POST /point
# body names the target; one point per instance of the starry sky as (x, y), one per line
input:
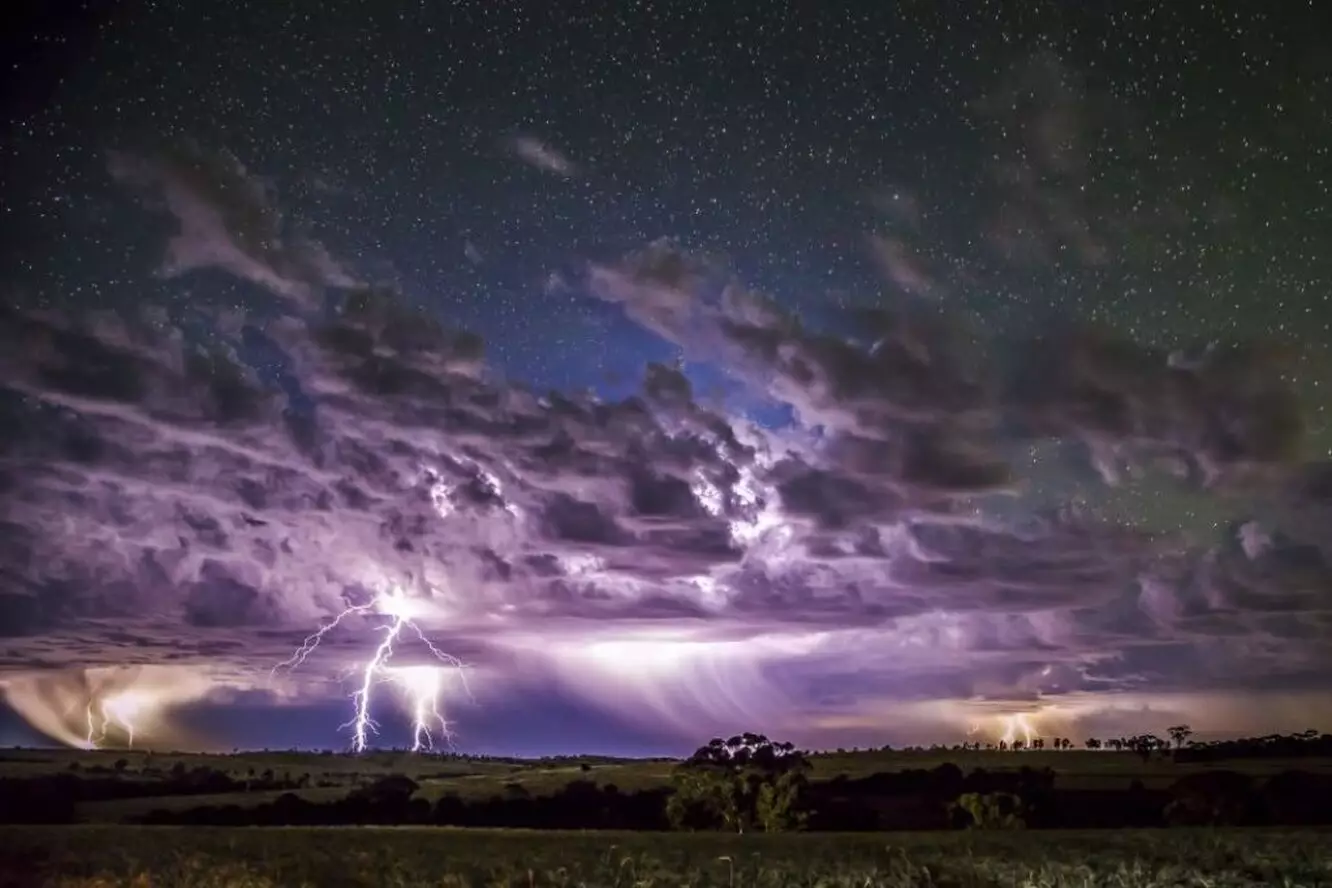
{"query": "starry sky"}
(859, 373)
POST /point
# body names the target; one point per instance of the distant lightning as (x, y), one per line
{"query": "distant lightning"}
(757, 527)
(421, 684)
(760, 519)
(1018, 727)
(117, 711)
(442, 492)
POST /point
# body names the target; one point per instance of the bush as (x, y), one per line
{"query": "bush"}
(993, 810)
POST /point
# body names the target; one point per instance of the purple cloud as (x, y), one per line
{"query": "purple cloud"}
(226, 220)
(164, 509)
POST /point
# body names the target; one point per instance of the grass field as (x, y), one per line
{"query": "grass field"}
(332, 776)
(165, 857)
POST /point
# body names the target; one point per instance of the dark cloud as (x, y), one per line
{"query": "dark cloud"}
(227, 219)
(150, 482)
(220, 598)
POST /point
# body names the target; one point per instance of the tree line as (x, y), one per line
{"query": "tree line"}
(1178, 743)
(744, 783)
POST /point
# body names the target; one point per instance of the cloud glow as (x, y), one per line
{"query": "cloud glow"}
(899, 561)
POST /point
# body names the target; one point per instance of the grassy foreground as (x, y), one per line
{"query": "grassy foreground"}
(90, 856)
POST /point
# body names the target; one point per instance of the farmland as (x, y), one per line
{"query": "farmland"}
(328, 776)
(107, 840)
(166, 857)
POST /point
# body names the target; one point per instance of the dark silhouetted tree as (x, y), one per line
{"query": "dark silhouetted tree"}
(392, 789)
(1143, 744)
(738, 784)
(1179, 734)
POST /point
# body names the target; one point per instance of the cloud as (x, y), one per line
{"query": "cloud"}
(84, 707)
(537, 153)
(941, 411)
(227, 220)
(162, 506)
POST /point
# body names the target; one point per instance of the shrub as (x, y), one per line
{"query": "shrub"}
(992, 810)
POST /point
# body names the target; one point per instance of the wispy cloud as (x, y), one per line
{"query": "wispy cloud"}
(533, 151)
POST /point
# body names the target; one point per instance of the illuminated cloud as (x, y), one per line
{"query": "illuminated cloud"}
(89, 708)
(678, 567)
(533, 151)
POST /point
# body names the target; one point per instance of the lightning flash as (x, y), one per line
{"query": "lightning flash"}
(117, 711)
(1018, 727)
(422, 685)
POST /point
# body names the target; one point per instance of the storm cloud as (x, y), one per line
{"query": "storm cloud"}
(163, 506)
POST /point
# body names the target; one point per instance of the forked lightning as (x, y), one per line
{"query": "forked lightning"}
(421, 684)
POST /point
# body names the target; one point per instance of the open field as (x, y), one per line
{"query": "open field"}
(1099, 768)
(165, 857)
(332, 776)
(32, 762)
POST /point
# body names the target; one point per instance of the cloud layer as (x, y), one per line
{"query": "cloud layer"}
(162, 505)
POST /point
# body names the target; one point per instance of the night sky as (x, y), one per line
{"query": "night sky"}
(857, 373)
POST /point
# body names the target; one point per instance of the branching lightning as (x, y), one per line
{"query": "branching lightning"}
(312, 641)
(422, 685)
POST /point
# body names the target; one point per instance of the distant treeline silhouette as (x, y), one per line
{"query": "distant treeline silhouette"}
(743, 783)
(51, 798)
(1305, 744)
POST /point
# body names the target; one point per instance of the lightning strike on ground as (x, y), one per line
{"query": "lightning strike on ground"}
(117, 711)
(1018, 727)
(422, 684)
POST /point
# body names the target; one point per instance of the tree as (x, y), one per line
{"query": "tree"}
(1092, 743)
(1179, 733)
(995, 810)
(739, 783)
(393, 789)
(1143, 744)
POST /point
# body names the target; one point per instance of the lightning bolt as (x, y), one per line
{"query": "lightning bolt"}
(361, 723)
(118, 711)
(1018, 724)
(312, 641)
(96, 726)
(421, 684)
